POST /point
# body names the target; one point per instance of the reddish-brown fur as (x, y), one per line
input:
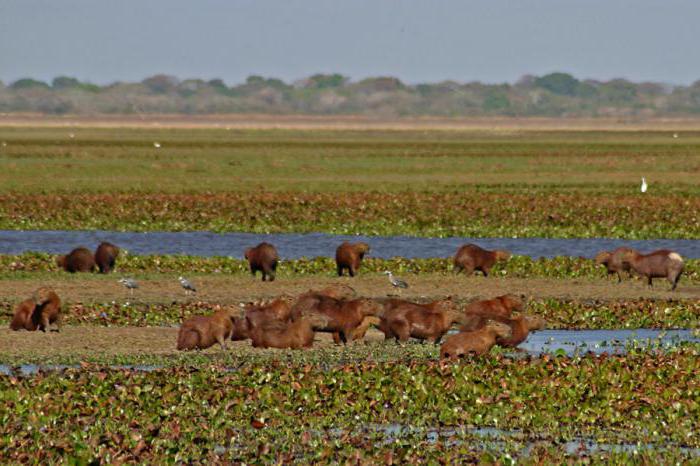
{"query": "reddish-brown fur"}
(105, 256)
(520, 326)
(614, 261)
(663, 263)
(277, 334)
(470, 258)
(475, 342)
(343, 316)
(263, 258)
(38, 312)
(78, 260)
(360, 331)
(501, 306)
(349, 257)
(425, 322)
(200, 332)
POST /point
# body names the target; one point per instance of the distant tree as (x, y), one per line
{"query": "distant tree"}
(28, 83)
(618, 91)
(558, 83)
(65, 82)
(496, 99)
(380, 84)
(161, 83)
(326, 81)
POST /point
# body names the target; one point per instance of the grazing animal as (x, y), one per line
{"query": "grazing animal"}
(349, 257)
(663, 263)
(520, 327)
(475, 342)
(293, 335)
(201, 332)
(263, 258)
(501, 306)
(421, 321)
(614, 261)
(106, 256)
(470, 258)
(38, 312)
(78, 260)
(359, 332)
(343, 316)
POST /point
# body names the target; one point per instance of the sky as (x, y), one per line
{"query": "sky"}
(415, 40)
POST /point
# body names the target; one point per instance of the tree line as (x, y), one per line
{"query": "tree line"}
(554, 94)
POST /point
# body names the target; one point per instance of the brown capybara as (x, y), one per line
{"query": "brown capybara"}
(361, 330)
(475, 342)
(470, 258)
(277, 334)
(349, 257)
(520, 326)
(663, 263)
(78, 260)
(105, 256)
(309, 301)
(343, 316)
(501, 306)
(614, 261)
(424, 322)
(201, 332)
(263, 258)
(38, 312)
(240, 329)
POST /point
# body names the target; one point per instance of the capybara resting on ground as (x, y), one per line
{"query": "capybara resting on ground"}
(476, 342)
(520, 327)
(38, 312)
(105, 256)
(470, 258)
(78, 260)
(425, 322)
(201, 332)
(277, 334)
(349, 257)
(257, 314)
(501, 306)
(263, 258)
(343, 316)
(663, 263)
(614, 261)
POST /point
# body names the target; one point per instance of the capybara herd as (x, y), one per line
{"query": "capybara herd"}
(38, 312)
(663, 263)
(82, 260)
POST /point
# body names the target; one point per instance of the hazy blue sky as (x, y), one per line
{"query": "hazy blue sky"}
(416, 40)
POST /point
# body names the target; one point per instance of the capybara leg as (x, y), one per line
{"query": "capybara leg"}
(457, 269)
(340, 271)
(351, 271)
(58, 322)
(222, 341)
(650, 284)
(336, 338)
(619, 277)
(485, 271)
(44, 323)
(674, 282)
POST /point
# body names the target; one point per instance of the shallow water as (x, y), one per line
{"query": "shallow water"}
(293, 246)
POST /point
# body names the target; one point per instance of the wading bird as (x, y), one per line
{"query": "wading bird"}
(129, 283)
(396, 282)
(187, 285)
(644, 185)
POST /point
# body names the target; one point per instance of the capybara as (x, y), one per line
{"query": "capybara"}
(277, 334)
(310, 300)
(520, 326)
(263, 258)
(360, 331)
(663, 263)
(105, 256)
(38, 312)
(614, 261)
(343, 316)
(425, 322)
(349, 257)
(201, 332)
(475, 342)
(470, 258)
(78, 260)
(501, 306)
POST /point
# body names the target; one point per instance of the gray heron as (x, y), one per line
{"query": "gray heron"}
(187, 285)
(129, 283)
(396, 282)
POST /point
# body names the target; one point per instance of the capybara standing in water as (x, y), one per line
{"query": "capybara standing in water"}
(470, 258)
(349, 257)
(663, 263)
(501, 306)
(263, 258)
(614, 261)
(38, 312)
(476, 342)
(201, 332)
(78, 260)
(105, 256)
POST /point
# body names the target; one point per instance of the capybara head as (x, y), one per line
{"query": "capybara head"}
(514, 302)
(362, 248)
(602, 257)
(61, 261)
(317, 320)
(499, 328)
(338, 291)
(535, 322)
(42, 295)
(501, 255)
(369, 307)
(248, 253)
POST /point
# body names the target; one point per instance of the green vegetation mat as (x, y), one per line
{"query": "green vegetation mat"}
(286, 411)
